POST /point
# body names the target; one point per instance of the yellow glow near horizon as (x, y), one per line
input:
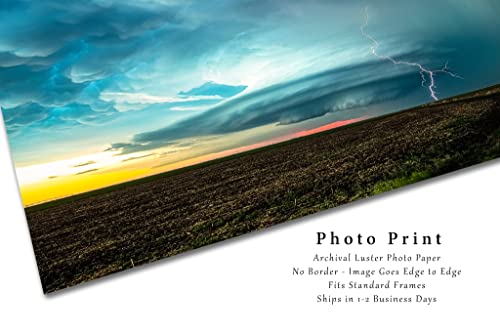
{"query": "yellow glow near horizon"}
(65, 186)
(51, 181)
(72, 185)
(68, 185)
(39, 187)
(41, 172)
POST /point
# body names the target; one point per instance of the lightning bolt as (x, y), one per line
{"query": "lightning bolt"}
(428, 75)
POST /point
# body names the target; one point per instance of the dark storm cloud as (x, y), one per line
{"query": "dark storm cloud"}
(137, 158)
(84, 164)
(43, 27)
(25, 114)
(123, 148)
(56, 56)
(338, 90)
(43, 85)
(87, 63)
(86, 172)
(34, 116)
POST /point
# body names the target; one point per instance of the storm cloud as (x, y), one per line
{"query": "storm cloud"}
(314, 96)
(140, 75)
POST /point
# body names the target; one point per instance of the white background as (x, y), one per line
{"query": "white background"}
(245, 285)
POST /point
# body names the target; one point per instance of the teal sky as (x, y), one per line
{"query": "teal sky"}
(84, 77)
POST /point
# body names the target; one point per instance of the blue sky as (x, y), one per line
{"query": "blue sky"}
(84, 77)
